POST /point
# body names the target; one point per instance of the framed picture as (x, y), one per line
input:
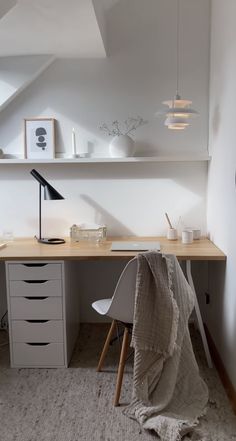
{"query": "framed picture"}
(39, 138)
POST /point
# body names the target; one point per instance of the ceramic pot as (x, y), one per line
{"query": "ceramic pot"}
(122, 146)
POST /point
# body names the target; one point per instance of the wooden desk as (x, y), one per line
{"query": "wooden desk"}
(30, 250)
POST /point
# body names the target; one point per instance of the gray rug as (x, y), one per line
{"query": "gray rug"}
(75, 404)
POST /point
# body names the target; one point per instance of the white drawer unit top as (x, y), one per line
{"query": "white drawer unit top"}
(37, 331)
(35, 288)
(34, 271)
(36, 308)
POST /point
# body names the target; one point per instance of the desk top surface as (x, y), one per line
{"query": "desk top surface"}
(30, 249)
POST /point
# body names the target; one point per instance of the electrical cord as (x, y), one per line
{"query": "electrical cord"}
(2, 328)
(2, 319)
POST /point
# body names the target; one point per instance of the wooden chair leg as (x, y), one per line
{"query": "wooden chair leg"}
(123, 355)
(106, 345)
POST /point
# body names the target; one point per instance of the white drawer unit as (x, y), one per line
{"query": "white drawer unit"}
(38, 354)
(43, 313)
(35, 271)
(36, 331)
(23, 308)
(35, 288)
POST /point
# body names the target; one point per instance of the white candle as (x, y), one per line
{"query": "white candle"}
(73, 142)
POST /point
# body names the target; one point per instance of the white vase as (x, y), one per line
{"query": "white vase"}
(122, 146)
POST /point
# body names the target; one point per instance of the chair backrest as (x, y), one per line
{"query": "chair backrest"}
(122, 304)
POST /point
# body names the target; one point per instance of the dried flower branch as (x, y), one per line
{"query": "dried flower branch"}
(128, 127)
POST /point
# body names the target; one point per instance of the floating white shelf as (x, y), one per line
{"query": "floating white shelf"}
(179, 158)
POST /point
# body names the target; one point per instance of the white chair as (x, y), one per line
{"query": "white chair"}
(121, 309)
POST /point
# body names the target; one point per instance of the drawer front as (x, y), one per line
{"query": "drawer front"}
(30, 355)
(35, 288)
(34, 271)
(47, 331)
(33, 308)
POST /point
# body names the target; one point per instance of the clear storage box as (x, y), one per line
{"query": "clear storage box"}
(89, 232)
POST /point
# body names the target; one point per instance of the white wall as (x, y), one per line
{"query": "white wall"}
(130, 198)
(134, 80)
(221, 312)
(137, 76)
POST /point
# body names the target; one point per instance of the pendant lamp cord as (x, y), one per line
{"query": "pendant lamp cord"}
(177, 50)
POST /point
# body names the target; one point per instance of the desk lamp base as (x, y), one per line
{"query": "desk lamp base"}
(53, 241)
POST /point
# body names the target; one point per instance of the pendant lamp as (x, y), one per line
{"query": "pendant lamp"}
(179, 111)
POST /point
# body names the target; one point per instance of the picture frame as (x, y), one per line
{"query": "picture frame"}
(39, 138)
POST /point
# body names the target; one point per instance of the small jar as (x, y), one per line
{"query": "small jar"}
(196, 232)
(172, 234)
(187, 236)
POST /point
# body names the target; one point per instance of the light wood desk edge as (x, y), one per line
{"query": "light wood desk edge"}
(30, 249)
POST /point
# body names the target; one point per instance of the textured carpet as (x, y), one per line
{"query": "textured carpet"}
(75, 404)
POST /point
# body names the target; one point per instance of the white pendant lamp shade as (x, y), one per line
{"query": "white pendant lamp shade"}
(180, 108)
(176, 123)
(179, 111)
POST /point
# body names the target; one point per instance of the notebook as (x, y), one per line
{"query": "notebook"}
(135, 246)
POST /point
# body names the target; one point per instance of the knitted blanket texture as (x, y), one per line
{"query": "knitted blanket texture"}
(168, 393)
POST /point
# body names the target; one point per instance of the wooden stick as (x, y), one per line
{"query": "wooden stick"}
(123, 354)
(106, 345)
(168, 220)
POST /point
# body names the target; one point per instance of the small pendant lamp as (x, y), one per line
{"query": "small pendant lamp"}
(179, 111)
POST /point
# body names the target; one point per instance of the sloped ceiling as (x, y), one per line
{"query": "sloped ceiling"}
(64, 28)
(5, 6)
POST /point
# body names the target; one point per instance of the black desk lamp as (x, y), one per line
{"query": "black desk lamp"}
(49, 194)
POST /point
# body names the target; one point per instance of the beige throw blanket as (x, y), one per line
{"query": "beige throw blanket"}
(168, 392)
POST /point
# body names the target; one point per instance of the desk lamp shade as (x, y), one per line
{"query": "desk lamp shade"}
(49, 194)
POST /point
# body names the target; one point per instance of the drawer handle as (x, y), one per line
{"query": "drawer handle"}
(35, 281)
(34, 264)
(38, 344)
(37, 321)
(35, 298)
